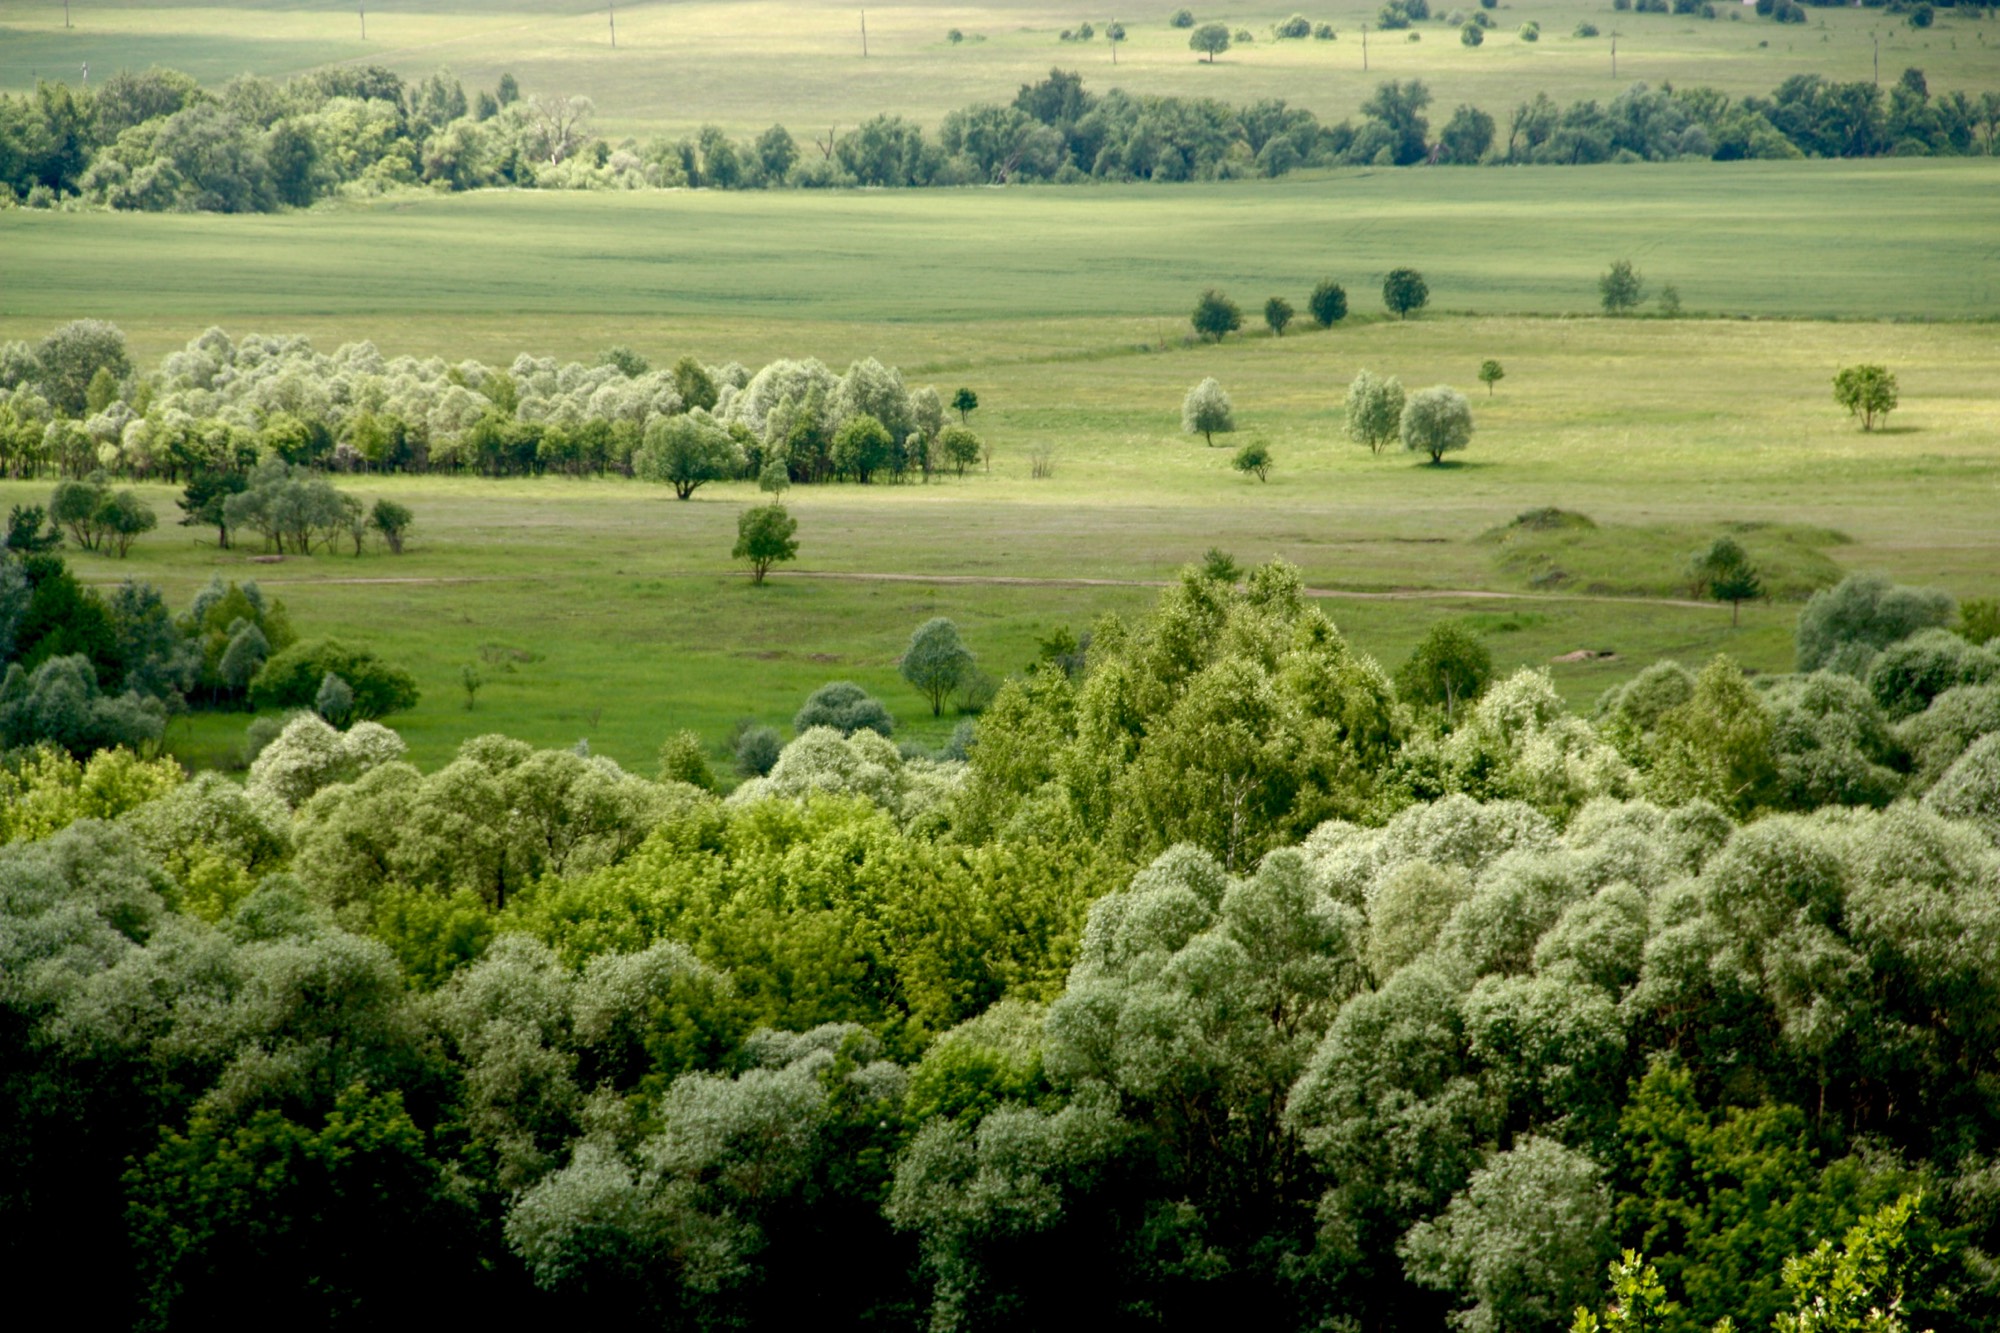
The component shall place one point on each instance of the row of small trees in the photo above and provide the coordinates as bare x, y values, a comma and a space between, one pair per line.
1216, 316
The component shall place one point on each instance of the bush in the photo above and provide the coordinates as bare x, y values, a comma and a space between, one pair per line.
1323, 32
1183, 18
1471, 35
1253, 459
292, 679
59, 704
846, 707
1843, 627
756, 749
1298, 25
1531, 32
1585, 30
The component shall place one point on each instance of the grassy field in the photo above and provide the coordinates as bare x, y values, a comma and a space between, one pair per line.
744, 64
970, 276
622, 620
604, 609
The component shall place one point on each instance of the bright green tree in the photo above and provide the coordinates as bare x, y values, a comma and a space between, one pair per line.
936, 662
765, 536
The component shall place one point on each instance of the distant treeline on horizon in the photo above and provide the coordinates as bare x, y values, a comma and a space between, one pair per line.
157, 141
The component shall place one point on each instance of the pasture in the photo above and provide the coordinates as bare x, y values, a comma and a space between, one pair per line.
744, 64
605, 609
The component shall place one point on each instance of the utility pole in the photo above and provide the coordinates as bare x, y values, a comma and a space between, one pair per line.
864, 34
1614, 55
363, 11
1876, 41
611, 10
65, 13
1364, 48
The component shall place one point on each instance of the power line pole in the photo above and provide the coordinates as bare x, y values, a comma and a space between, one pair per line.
1364, 48
1614, 55
65, 13
1876, 41
864, 34
611, 10
363, 11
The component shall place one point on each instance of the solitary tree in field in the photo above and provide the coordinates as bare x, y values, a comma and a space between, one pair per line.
1725, 573
1328, 303
936, 663
1404, 290
1277, 314
1620, 288
1374, 410
1436, 421
1491, 373
1206, 411
965, 402
1253, 459
1869, 392
765, 537
1449, 667
1114, 33
1212, 39
1215, 315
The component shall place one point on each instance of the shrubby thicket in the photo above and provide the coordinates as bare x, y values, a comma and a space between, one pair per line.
157, 141
1210, 979
249, 424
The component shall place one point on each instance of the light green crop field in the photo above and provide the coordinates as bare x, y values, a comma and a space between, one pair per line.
965, 276
745, 64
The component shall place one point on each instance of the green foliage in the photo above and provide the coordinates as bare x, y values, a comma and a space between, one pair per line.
1328, 303
1211, 39
1523, 1243
293, 676
862, 447
1277, 314
1253, 459
1436, 421
684, 452
1620, 289
936, 663
1374, 410
683, 758
69, 358
846, 707
1844, 627
1215, 316
48, 789
1206, 410
1404, 290
393, 521
1491, 373
1867, 392
59, 704
1450, 666
341, 1212
765, 536
1725, 573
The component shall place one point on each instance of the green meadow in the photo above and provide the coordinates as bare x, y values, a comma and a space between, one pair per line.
606, 610
744, 65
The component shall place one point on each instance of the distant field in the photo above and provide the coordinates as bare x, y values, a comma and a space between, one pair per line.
633, 623
745, 64
929, 276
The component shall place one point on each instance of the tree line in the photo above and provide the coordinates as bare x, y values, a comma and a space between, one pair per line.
157, 141
1218, 973
256, 416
